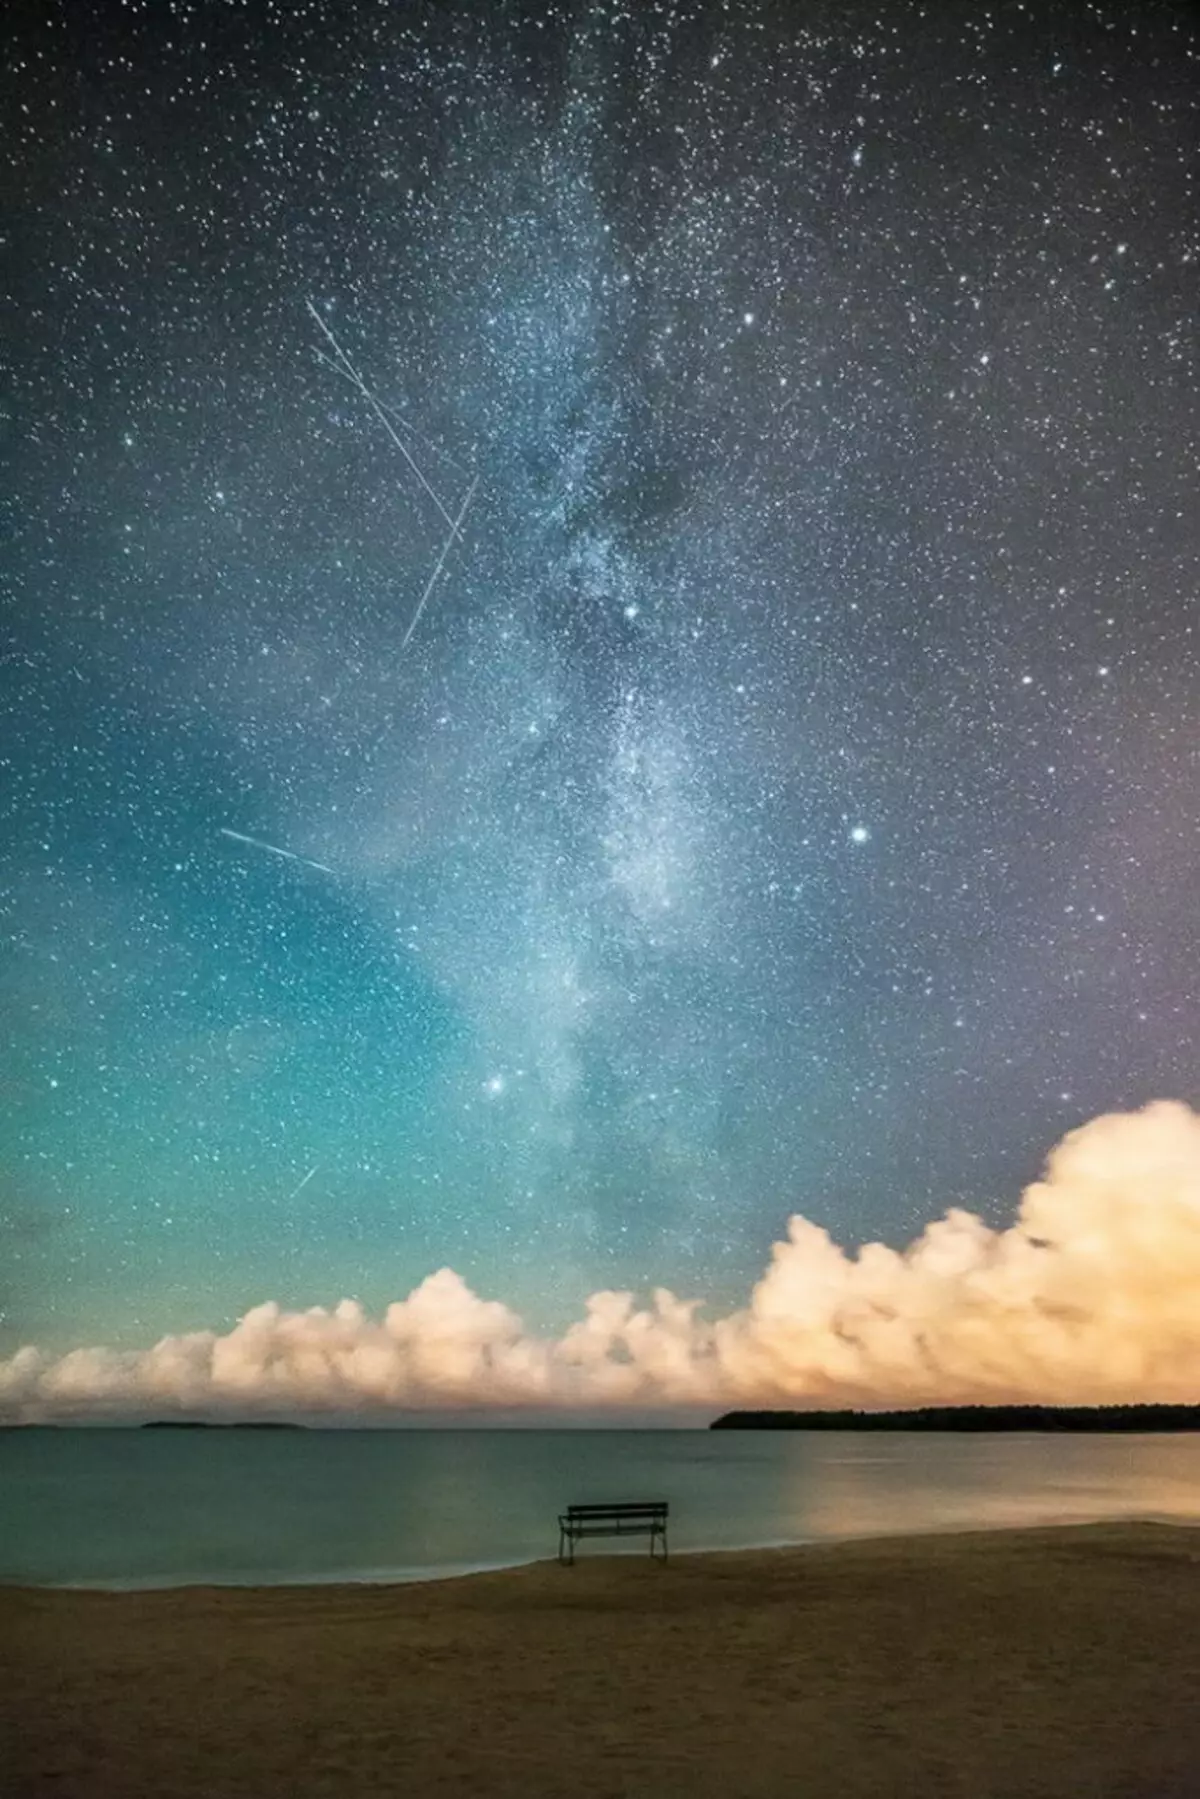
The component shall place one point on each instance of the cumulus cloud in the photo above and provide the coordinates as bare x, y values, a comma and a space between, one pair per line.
1092, 1295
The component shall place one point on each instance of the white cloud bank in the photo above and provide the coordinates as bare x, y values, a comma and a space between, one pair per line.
1093, 1295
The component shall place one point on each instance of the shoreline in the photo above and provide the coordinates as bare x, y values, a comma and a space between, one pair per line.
443, 1574
1030, 1661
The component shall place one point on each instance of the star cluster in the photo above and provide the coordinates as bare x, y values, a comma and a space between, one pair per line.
786, 792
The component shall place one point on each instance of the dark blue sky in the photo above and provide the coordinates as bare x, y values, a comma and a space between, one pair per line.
787, 797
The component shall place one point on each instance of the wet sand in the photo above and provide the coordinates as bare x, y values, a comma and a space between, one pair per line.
1040, 1662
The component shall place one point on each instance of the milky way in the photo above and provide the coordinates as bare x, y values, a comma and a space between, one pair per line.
785, 795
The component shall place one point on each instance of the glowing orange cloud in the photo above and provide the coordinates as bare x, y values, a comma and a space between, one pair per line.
1092, 1295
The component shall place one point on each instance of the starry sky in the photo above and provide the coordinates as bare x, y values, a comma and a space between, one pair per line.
680, 520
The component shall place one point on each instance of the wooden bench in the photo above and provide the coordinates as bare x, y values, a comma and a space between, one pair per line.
642, 1518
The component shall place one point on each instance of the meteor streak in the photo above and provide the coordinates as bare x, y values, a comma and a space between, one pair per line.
455, 531
273, 849
397, 417
345, 365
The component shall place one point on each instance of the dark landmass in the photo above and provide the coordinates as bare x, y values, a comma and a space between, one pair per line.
977, 1418
216, 1424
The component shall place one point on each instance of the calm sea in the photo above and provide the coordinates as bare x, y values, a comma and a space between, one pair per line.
131, 1508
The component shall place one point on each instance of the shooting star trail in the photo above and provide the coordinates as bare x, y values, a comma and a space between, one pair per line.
273, 849
352, 375
397, 417
303, 1184
455, 531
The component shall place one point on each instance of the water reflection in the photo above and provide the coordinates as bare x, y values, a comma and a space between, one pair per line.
861, 1487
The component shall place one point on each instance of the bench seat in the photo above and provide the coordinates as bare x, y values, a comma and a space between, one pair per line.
630, 1518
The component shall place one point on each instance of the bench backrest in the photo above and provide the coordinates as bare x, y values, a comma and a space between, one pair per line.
650, 1508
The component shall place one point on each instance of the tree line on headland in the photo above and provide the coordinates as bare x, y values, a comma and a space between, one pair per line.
977, 1418
222, 1424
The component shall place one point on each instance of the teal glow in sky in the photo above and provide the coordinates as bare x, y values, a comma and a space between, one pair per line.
785, 796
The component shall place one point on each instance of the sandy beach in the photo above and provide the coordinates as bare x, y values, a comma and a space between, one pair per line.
1047, 1662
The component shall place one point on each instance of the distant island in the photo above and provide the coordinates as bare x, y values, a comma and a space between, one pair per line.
220, 1424
977, 1418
